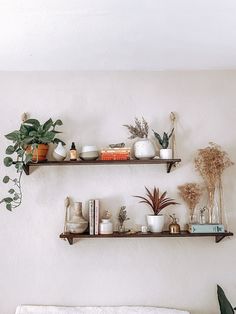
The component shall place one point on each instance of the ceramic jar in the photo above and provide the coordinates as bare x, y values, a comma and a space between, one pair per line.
59, 152
144, 149
106, 226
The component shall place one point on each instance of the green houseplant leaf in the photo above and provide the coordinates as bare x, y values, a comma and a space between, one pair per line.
225, 306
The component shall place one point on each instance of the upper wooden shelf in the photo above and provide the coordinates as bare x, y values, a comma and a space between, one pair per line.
183, 234
168, 162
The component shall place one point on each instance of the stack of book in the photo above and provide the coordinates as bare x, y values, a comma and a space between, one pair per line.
115, 153
93, 210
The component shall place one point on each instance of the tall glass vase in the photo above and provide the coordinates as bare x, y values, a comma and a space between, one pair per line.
223, 214
214, 215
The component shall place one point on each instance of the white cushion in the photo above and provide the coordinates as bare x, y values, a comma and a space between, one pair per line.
28, 309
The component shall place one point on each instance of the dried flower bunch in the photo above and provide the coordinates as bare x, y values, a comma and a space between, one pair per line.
122, 216
156, 200
211, 163
191, 194
139, 129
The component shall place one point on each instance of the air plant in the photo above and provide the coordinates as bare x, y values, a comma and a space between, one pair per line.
139, 129
156, 200
164, 140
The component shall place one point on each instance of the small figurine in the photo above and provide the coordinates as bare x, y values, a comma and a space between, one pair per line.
174, 227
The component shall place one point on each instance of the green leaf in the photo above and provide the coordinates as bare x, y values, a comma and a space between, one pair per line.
225, 306
33, 122
16, 197
47, 125
8, 161
19, 165
13, 136
11, 191
33, 133
28, 140
6, 179
10, 150
9, 207
58, 122
28, 157
8, 199
57, 140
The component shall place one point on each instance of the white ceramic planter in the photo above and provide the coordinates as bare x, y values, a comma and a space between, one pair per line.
144, 149
166, 153
155, 222
106, 227
59, 152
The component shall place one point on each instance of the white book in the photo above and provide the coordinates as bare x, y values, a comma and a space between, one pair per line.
97, 216
91, 217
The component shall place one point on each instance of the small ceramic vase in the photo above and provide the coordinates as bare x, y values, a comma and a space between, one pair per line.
77, 224
59, 152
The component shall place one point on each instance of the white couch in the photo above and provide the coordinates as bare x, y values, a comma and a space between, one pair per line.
29, 309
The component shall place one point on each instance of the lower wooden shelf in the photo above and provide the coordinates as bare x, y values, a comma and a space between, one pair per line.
165, 234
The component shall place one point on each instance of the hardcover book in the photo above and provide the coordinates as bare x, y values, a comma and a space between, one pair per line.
206, 228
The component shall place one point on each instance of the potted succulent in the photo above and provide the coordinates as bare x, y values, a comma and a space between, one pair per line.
157, 202
143, 147
29, 143
165, 152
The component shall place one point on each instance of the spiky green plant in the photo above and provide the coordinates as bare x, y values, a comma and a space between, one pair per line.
156, 200
225, 306
164, 140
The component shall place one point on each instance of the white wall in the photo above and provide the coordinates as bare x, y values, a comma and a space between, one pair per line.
36, 267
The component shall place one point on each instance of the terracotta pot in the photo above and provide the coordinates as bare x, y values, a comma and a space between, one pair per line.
40, 153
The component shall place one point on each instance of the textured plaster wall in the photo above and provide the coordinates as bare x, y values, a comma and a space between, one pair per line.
36, 267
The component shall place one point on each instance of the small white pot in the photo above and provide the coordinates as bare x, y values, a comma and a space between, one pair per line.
144, 149
166, 153
59, 152
155, 222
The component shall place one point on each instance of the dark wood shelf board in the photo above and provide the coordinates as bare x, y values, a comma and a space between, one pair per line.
165, 234
168, 162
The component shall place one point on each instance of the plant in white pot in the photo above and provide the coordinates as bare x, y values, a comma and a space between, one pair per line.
165, 152
143, 147
157, 202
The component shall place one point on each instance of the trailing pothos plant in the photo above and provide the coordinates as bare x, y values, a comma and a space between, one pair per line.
31, 133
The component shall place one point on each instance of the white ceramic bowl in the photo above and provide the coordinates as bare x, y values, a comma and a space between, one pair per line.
89, 148
89, 155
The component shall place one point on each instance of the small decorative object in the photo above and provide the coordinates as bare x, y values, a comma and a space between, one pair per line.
165, 152
122, 217
89, 152
26, 145
174, 227
157, 202
143, 148
67, 206
73, 152
77, 223
59, 152
106, 226
144, 229
211, 162
202, 215
118, 145
191, 194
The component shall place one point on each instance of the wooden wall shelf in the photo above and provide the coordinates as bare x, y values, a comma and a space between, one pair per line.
169, 163
184, 234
